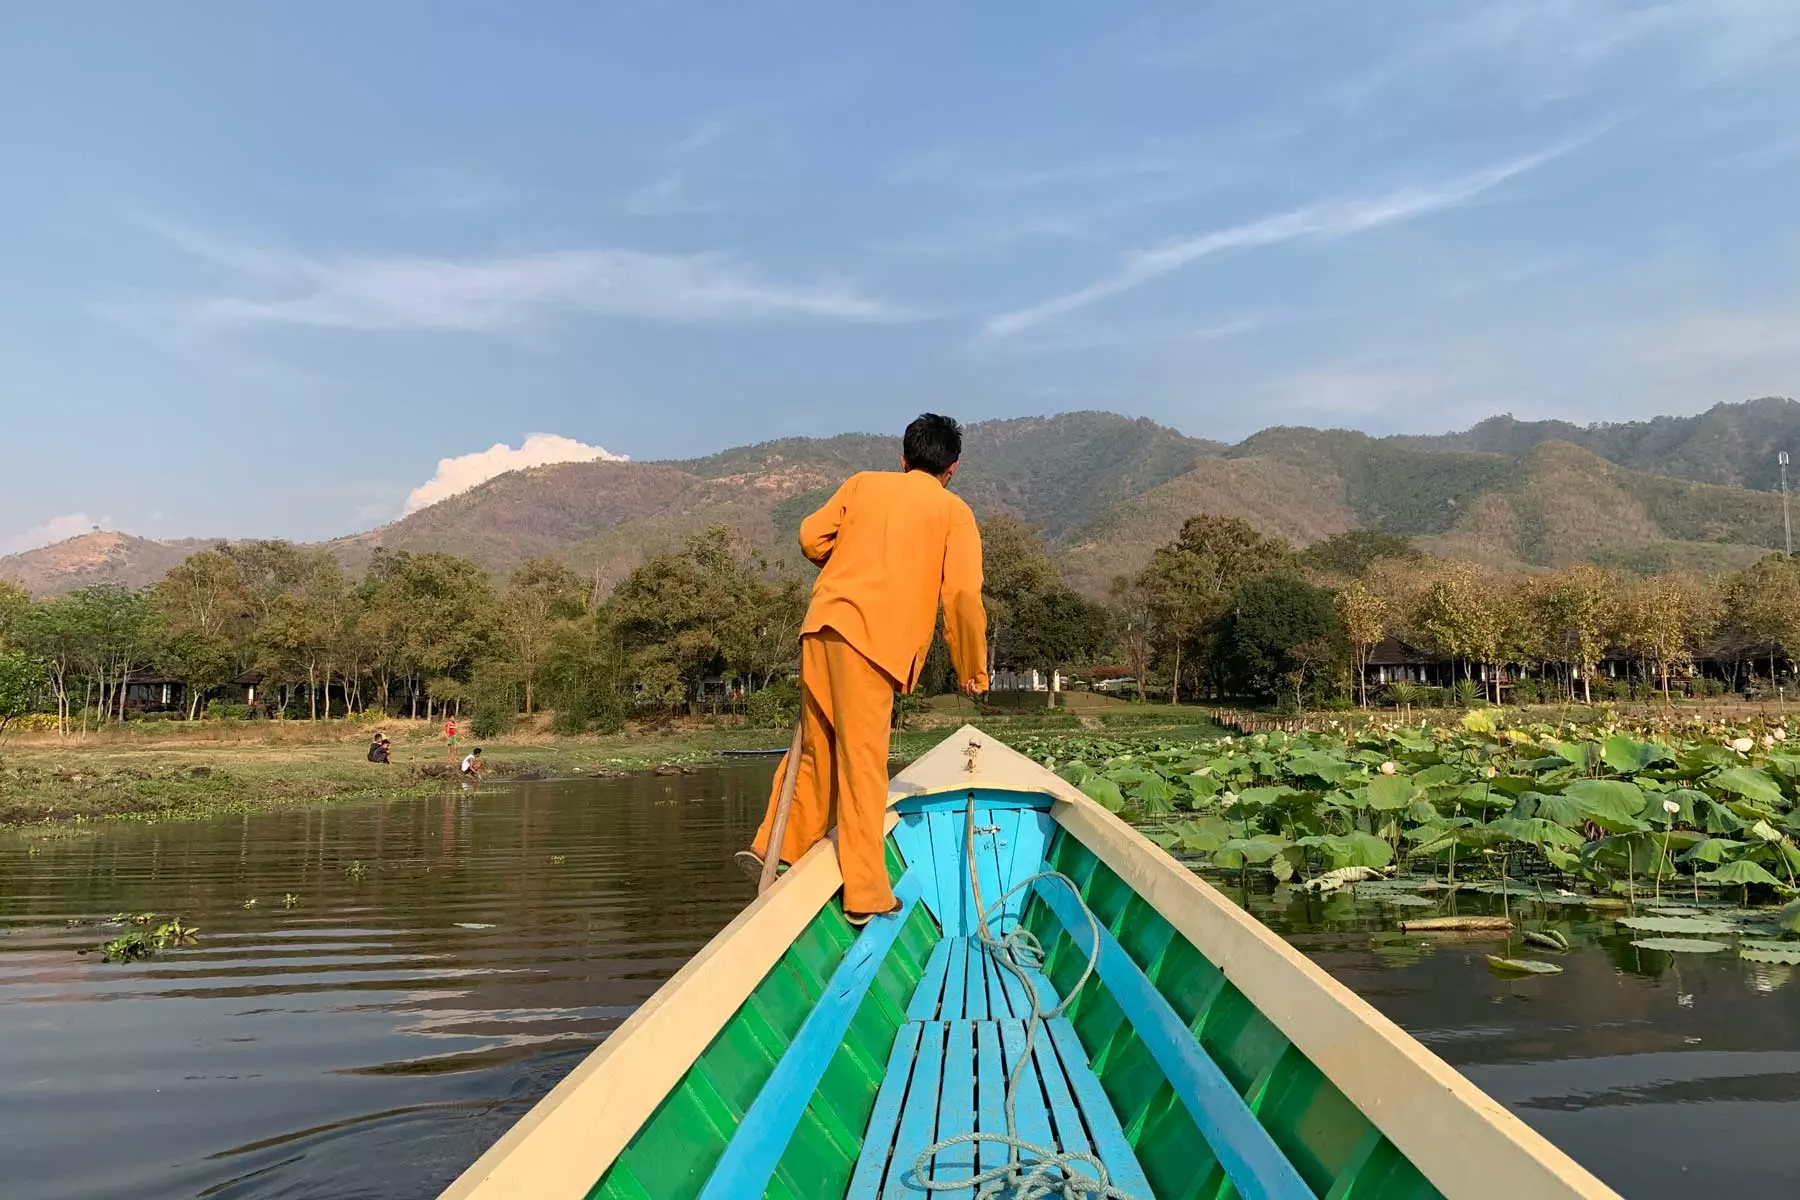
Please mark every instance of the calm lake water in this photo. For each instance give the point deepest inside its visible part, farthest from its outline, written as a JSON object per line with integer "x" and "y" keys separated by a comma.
{"x": 373, "y": 1035}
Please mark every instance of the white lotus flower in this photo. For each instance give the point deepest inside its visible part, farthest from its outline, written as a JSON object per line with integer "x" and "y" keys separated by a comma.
{"x": 1228, "y": 799}
{"x": 1768, "y": 740}
{"x": 1388, "y": 768}
{"x": 1779, "y": 734}
{"x": 1743, "y": 745}
{"x": 1491, "y": 772}
{"x": 1670, "y": 807}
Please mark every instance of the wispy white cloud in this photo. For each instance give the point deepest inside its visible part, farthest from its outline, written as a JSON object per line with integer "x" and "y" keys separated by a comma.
{"x": 459, "y": 474}
{"x": 1137, "y": 337}
{"x": 56, "y": 529}
{"x": 669, "y": 196}
{"x": 271, "y": 286}
{"x": 454, "y": 191}
{"x": 1316, "y": 222}
{"x": 704, "y": 133}
{"x": 983, "y": 171}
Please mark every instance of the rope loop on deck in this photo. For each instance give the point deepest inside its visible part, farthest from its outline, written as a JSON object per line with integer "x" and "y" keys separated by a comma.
{"x": 1049, "y": 1172}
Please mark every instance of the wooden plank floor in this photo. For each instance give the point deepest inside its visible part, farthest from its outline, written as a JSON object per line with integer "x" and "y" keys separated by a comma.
{"x": 947, "y": 1075}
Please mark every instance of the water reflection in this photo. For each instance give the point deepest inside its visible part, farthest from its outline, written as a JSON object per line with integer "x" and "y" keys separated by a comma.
{"x": 1660, "y": 1072}
{"x": 445, "y": 962}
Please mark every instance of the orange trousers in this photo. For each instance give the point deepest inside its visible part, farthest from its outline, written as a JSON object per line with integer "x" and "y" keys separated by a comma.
{"x": 846, "y": 704}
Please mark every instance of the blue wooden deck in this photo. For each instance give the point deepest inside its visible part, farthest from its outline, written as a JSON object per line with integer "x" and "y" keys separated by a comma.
{"x": 966, "y": 1022}
{"x": 965, "y": 1032}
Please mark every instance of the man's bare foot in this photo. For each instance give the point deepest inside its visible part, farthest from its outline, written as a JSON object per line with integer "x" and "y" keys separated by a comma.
{"x": 860, "y": 919}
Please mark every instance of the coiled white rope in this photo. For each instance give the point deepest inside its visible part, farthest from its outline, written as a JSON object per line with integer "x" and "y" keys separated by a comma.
{"x": 1049, "y": 1172}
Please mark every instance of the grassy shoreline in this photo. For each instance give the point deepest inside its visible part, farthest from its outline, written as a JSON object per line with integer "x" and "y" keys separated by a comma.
{"x": 165, "y": 770}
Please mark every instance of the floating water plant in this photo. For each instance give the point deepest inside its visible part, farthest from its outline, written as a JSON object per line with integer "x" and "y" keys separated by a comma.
{"x": 1563, "y": 813}
{"x": 1522, "y": 966}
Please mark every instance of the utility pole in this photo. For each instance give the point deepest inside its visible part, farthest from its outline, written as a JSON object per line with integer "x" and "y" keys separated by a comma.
{"x": 1787, "y": 524}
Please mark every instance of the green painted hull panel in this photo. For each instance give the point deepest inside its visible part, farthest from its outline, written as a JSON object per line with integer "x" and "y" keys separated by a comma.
{"x": 674, "y": 1154}
{"x": 1337, "y": 1150}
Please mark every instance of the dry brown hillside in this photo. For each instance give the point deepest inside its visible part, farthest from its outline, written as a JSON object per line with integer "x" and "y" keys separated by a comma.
{"x": 1105, "y": 490}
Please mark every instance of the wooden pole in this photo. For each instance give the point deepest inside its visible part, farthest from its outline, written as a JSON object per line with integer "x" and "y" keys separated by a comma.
{"x": 789, "y": 780}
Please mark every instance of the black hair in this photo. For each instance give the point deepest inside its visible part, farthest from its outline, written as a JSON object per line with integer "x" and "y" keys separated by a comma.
{"x": 933, "y": 444}
{"x": 478, "y": 749}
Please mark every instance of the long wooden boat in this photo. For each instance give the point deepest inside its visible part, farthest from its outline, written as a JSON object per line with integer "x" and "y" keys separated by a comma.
{"x": 798, "y": 1057}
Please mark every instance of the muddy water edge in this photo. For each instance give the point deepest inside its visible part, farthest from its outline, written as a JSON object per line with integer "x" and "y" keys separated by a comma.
{"x": 413, "y": 974}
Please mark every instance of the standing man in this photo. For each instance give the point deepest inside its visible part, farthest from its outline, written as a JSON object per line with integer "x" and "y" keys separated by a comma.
{"x": 450, "y": 737}
{"x": 892, "y": 545}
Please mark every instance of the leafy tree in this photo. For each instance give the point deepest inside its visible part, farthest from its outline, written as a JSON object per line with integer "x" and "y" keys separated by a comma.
{"x": 1461, "y": 614}
{"x": 1281, "y": 636}
{"x": 426, "y": 614}
{"x": 1571, "y": 614}
{"x": 1350, "y": 554}
{"x": 1761, "y": 609}
{"x": 21, "y": 680}
{"x": 494, "y": 692}
{"x": 1014, "y": 565}
{"x": 761, "y": 639}
{"x": 1365, "y": 616}
{"x": 117, "y": 634}
{"x": 1056, "y": 627}
{"x": 301, "y": 634}
{"x": 51, "y": 633}
{"x": 584, "y": 677}
{"x": 204, "y": 609}
{"x": 541, "y": 594}
{"x": 1665, "y": 619}
{"x": 685, "y": 616}
{"x": 15, "y": 601}
{"x": 1188, "y": 581}
{"x": 1133, "y": 619}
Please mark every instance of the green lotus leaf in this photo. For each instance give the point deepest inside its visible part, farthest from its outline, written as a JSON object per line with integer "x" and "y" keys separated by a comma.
{"x": 1749, "y": 782}
{"x": 1738, "y": 873}
{"x": 1103, "y": 792}
{"x": 1712, "y": 850}
{"x": 1678, "y": 924}
{"x": 1522, "y": 966}
{"x": 1389, "y": 792}
{"x": 1628, "y": 756}
{"x": 1770, "y": 952}
{"x": 1608, "y": 799}
{"x": 1676, "y": 945}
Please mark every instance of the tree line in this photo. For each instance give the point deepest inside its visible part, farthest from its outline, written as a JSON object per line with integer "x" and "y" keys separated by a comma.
{"x": 418, "y": 634}
{"x": 1220, "y": 610}
{"x": 1227, "y": 610}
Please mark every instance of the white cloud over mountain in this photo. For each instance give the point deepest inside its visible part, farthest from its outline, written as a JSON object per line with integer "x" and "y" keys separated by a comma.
{"x": 56, "y": 529}
{"x": 459, "y": 474}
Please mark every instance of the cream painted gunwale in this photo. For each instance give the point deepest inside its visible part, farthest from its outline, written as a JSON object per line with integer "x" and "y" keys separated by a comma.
{"x": 1467, "y": 1144}
{"x": 559, "y": 1149}
{"x": 1464, "y": 1142}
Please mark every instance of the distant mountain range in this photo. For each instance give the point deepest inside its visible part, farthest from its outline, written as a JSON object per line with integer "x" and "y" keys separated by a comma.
{"x": 1106, "y": 489}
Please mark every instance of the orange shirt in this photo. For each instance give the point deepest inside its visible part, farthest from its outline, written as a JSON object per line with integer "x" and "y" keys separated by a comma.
{"x": 892, "y": 545}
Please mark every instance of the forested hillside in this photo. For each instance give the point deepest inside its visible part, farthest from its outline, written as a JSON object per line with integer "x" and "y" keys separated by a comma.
{"x": 1105, "y": 489}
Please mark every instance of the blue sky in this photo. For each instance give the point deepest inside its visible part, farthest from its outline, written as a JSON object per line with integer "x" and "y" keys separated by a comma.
{"x": 263, "y": 266}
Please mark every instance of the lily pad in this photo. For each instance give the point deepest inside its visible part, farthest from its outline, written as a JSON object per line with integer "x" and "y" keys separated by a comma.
{"x": 1522, "y": 966}
{"x": 1740, "y": 872}
{"x": 1678, "y": 924}
{"x": 1750, "y": 783}
{"x": 1676, "y": 945}
{"x": 1103, "y": 792}
{"x": 1770, "y": 952}
{"x": 1403, "y": 899}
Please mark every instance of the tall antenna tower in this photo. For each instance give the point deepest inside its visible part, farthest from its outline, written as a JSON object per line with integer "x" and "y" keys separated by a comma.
{"x": 1787, "y": 523}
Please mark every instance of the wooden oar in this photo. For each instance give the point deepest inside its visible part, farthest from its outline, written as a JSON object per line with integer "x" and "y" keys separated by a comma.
{"x": 778, "y": 831}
